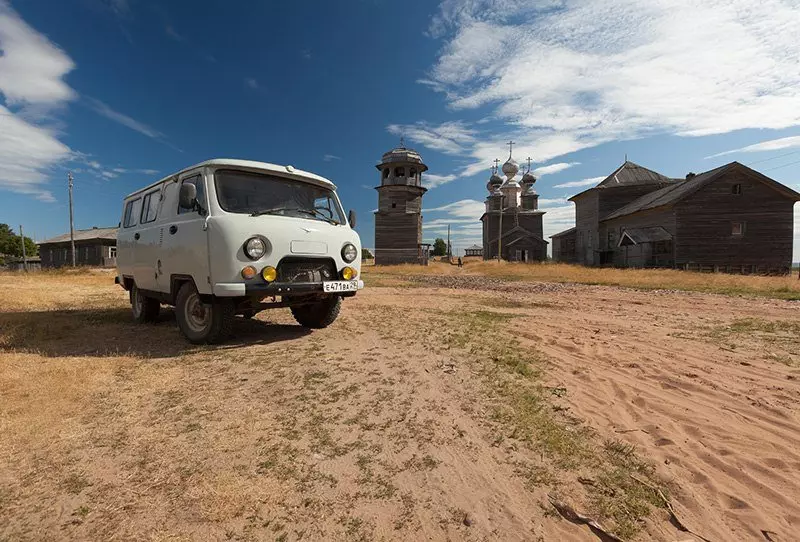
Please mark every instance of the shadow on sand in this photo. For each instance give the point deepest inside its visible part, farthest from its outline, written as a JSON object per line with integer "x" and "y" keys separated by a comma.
{"x": 112, "y": 332}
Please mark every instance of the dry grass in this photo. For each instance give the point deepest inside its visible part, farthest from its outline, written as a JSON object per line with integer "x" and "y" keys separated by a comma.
{"x": 783, "y": 287}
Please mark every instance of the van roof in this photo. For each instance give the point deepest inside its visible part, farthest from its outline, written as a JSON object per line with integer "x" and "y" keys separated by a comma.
{"x": 251, "y": 165}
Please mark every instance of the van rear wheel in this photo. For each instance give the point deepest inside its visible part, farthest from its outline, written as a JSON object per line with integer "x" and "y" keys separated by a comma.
{"x": 145, "y": 309}
{"x": 318, "y": 315}
{"x": 202, "y": 322}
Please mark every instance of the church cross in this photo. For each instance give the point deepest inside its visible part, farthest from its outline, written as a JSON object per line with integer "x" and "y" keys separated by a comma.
{"x": 510, "y": 147}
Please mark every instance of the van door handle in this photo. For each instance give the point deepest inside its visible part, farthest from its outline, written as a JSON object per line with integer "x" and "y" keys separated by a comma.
{"x": 136, "y": 235}
{"x": 173, "y": 229}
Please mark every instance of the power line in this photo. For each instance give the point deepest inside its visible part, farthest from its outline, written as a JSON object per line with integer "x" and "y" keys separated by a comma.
{"x": 784, "y": 165}
{"x": 774, "y": 157}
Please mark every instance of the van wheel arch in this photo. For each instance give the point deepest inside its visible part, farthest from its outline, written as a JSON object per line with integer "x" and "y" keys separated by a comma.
{"x": 176, "y": 281}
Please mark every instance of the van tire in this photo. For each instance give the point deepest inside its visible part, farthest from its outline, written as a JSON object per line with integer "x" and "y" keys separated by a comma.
{"x": 200, "y": 322}
{"x": 145, "y": 309}
{"x": 318, "y": 315}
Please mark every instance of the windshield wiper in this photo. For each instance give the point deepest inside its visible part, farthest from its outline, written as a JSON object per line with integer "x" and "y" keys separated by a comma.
{"x": 318, "y": 214}
{"x": 273, "y": 210}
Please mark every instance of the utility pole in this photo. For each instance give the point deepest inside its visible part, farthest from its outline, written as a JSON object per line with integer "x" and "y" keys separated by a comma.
{"x": 71, "y": 223}
{"x": 449, "y": 252}
{"x": 500, "y": 233}
{"x": 24, "y": 256}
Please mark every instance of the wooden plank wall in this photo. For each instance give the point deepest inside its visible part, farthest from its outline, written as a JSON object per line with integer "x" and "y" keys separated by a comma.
{"x": 586, "y": 218}
{"x": 704, "y": 225}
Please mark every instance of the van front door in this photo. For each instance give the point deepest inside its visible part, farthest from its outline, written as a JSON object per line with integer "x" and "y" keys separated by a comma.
{"x": 185, "y": 244}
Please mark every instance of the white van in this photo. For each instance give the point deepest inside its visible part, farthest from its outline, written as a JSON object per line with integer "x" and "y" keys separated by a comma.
{"x": 228, "y": 237}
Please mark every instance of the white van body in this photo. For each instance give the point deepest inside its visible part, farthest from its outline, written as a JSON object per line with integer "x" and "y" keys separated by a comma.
{"x": 162, "y": 245}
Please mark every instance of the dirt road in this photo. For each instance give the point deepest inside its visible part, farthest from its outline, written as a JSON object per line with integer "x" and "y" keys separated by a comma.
{"x": 405, "y": 420}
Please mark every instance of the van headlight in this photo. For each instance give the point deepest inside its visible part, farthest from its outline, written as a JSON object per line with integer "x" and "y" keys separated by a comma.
{"x": 255, "y": 248}
{"x": 349, "y": 252}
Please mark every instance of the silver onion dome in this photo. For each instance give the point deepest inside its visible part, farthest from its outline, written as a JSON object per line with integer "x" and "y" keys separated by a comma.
{"x": 510, "y": 168}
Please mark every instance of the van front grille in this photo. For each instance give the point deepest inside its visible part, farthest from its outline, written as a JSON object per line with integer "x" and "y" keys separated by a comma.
{"x": 306, "y": 270}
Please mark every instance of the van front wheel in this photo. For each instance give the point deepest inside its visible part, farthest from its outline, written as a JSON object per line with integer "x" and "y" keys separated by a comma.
{"x": 145, "y": 309}
{"x": 202, "y": 322}
{"x": 319, "y": 314}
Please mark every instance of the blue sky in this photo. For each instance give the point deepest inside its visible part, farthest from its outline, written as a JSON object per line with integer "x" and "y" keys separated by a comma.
{"x": 122, "y": 92}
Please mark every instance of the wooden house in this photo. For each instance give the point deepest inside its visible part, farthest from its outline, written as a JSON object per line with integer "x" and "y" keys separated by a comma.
{"x": 731, "y": 218}
{"x": 96, "y": 247}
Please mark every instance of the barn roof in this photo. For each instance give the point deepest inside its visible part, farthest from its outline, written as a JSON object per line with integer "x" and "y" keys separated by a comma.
{"x": 630, "y": 174}
{"x": 85, "y": 235}
{"x": 675, "y": 192}
{"x": 644, "y": 235}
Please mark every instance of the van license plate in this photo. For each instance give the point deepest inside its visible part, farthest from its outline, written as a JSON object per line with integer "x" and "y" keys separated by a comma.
{"x": 340, "y": 286}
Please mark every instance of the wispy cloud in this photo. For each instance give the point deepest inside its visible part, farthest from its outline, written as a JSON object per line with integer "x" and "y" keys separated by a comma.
{"x": 448, "y": 137}
{"x": 251, "y": 82}
{"x": 170, "y": 31}
{"x": 431, "y": 180}
{"x": 553, "y": 168}
{"x": 771, "y": 145}
{"x": 572, "y": 74}
{"x": 32, "y": 71}
{"x": 330, "y": 157}
{"x": 465, "y": 208}
{"x": 583, "y": 182}
{"x": 123, "y": 119}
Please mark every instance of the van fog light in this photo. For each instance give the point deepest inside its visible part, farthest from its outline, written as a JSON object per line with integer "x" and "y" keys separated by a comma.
{"x": 348, "y": 273}
{"x": 249, "y": 272}
{"x": 269, "y": 273}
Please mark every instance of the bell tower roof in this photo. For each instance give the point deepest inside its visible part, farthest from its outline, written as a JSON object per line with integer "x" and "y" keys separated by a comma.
{"x": 404, "y": 156}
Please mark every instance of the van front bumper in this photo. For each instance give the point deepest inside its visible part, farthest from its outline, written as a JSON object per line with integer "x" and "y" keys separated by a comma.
{"x": 239, "y": 289}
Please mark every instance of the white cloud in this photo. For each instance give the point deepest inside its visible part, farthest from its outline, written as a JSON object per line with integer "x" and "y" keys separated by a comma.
{"x": 771, "y": 145}
{"x": 123, "y": 119}
{"x": 31, "y": 80}
{"x": 251, "y": 83}
{"x": 571, "y": 74}
{"x": 448, "y": 137}
{"x": 583, "y": 182}
{"x": 465, "y": 208}
{"x": 553, "y": 168}
{"x": 31, "y": 66}
{"x": 329, "y": 157}
{"x": 431, "y": 180}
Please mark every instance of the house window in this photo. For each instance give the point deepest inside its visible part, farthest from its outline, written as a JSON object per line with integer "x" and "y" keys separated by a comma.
{"x": 737, "y": 228}
{"x": 394, "y": 205}
{"x": 736, "y": 189}
{"x": 112, "y": 252}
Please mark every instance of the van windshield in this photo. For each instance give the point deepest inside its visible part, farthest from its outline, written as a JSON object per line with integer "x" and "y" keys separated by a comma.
{"x": 261, "y": 193}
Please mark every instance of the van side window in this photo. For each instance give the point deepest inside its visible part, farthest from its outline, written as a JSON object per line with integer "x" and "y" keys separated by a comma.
{"x": 132, "y": 211}
{"x": 150, "y": 206}
{"x": 197, "y": 181}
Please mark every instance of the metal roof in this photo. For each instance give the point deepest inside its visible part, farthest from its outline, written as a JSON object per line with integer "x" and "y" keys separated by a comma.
{"x": 676, "y": 192}
{"x": 644, "y": 235}
{"x": 85, "y": 235}
{"x": 630, "y": 174}
{"x": 251, "y": 165}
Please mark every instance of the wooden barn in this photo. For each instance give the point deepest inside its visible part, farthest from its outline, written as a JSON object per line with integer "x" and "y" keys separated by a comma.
{"x": 731, "y": 219}
{"x": 96, "y": 247}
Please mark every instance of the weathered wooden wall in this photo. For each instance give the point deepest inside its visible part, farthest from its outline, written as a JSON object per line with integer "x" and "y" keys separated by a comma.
{"x": 704, "y": 221}
{"x": 564, "y": 247}
{"x": 586, "y": 219}
{"x": 94, "y": 253}
{"x": 655, "y": 217}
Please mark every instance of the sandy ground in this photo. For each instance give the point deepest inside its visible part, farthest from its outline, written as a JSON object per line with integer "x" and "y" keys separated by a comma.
{"x": 372, "y": 430}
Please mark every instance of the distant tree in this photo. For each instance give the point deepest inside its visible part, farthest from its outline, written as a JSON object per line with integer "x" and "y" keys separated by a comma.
{"x": 366, "y": 254}
{"x": 439, "y": 247}
{"x": 10, "y": 243}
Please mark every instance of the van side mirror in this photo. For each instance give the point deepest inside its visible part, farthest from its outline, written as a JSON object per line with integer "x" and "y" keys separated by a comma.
{"x": 188, "y": 196}
{"x": 351, "y": 218}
